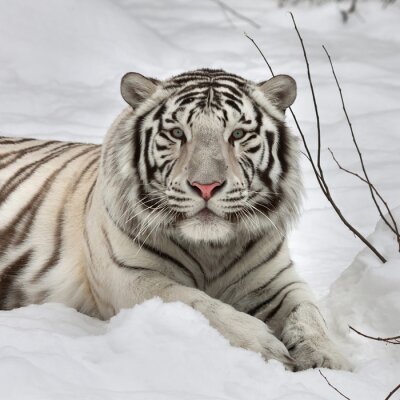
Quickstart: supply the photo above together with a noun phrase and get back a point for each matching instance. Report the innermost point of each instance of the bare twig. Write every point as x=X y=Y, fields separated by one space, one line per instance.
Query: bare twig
x=348 y=398
x=305 y=155
x=262 y=54
x=231 y=10
x=333 y=387
x=391 y=340
x=321 y=173
x=393 y=228
x=360 y=156
x=320 y=178
x=351 y=9
x=327 y=192
x=392 y=392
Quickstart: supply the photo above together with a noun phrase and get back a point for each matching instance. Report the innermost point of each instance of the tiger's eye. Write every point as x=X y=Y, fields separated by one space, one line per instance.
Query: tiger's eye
x=177 y=133
x=238 y=134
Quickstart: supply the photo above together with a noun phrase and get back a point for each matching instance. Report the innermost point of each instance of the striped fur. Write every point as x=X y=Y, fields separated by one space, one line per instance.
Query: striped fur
x=101 y=228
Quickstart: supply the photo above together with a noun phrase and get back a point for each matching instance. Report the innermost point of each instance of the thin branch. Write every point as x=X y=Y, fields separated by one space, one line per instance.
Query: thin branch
x=393 y=392
x=393 y=228
x=396 y=231
x=391 y=340
x=333 y=387
x=348 y=398
x=305 y=155
x=327 y=193
x=314 y=101
x=228 y=18
x=225 y=7
x=320 y=178
x=346 y=13
x=262 y=54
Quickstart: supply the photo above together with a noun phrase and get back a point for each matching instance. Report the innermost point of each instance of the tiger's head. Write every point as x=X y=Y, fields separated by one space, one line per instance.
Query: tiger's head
x=204 y=155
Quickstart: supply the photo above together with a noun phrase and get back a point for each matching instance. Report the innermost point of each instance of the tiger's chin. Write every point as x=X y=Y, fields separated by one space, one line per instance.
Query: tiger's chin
x=206 y=227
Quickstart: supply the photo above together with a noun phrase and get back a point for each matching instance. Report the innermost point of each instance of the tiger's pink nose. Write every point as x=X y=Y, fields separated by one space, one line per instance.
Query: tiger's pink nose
x=206 y=189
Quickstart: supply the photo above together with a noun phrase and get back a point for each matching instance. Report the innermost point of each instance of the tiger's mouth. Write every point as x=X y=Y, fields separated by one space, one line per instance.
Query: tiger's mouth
x=207 y=216
x=206 y=226
x=206 y=213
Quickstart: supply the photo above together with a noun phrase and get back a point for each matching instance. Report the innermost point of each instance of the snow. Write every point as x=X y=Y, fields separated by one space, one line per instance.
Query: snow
x=61 y=62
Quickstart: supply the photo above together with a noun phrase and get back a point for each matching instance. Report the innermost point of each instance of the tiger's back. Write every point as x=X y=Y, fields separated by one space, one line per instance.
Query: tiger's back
x=44 y=189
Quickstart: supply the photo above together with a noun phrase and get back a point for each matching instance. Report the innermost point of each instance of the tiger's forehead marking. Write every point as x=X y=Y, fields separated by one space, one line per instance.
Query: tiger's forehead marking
x=205 y=81
x=210 y=92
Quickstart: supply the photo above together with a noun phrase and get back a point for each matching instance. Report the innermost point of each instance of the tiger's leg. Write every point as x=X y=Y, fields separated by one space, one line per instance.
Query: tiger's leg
x=130 y=287
x=286 y=304
x=305 y=335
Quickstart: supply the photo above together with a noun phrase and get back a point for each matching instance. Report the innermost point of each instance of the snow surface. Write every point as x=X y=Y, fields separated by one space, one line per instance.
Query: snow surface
x=60 y=66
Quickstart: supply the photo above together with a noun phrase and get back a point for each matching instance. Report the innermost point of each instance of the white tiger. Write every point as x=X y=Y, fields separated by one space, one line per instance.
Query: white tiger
x=190 y=200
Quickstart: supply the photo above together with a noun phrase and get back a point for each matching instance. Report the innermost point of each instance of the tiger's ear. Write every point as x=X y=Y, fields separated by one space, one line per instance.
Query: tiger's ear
x=135 y=88
x=281 y=90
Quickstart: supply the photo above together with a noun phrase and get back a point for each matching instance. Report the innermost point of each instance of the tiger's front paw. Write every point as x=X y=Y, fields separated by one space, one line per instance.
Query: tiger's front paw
x=250 y=333
x=316 y=352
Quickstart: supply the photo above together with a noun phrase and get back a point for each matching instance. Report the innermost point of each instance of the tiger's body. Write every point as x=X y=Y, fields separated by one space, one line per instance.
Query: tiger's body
x=173 y=205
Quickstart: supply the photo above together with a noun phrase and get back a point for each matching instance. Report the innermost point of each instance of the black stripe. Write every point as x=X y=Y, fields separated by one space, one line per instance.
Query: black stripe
x=58 y=234
x=233 y=199
x=261 y=289
x=29 y=169
x=249 y=162
x=234 y=191
x=190 y=96
x=235 y=90
x=253 y=149
x=186 y=252
x=158 y=114
x=178 y=199
x=18 y=154
x=118 y=262
x=19 y=228
x=164 y=164
x=250 y=137
x=215 y=85
x=242 y=164
x=245 y=121
x=190 y=116
x=230 y=96
x=161 y=147
x=157 y=252
x=169 y=170
x=89 y=194
x=237 y=259
x=269 y=300
x=266 y=260
x=274 y=311
x=165 y=256
x=85 y=170
x=166 y=137
x=136 y=142
x=178 y=190
x=6 y=140
x=9 y=274
x=150 y=169
x=283 y=149
x=232 y=104
x=265 y=175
